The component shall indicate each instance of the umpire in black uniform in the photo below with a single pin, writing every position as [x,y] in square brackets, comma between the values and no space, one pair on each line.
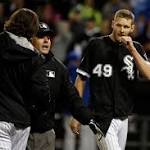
[62,91]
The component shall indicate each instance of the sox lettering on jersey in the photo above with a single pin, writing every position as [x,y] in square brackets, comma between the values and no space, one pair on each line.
[128,60]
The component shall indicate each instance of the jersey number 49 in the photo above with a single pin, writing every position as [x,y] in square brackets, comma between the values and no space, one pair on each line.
[103,70]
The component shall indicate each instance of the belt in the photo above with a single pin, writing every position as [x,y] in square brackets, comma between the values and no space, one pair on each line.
[122,117]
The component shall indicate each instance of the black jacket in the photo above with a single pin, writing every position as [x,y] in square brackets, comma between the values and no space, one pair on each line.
[15,71]
[62,92]
[18,63]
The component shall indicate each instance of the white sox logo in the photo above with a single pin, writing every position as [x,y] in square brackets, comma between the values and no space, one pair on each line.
[128,60]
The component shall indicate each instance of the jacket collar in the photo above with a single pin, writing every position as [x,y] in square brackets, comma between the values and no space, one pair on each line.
[21,41]
[49,56]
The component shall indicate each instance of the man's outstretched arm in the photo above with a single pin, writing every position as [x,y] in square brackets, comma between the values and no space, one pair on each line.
[75,124]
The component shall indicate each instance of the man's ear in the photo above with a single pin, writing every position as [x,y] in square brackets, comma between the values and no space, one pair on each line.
[112,24]
[132,28]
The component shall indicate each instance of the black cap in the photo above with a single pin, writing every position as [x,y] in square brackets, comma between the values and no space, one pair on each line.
[44,30]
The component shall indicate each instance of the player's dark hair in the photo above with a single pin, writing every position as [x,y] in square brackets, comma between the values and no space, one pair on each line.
[124,13]
[23,22]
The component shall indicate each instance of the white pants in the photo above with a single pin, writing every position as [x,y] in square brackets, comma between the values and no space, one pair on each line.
[87,139]
[116,135]
[12,138]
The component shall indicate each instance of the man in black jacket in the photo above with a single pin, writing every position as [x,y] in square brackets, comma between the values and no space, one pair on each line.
[16,59]
[62,91]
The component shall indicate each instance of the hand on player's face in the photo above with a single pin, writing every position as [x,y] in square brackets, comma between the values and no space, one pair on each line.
[127,41]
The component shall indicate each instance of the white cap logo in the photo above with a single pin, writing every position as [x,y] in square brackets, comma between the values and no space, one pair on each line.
[43,25]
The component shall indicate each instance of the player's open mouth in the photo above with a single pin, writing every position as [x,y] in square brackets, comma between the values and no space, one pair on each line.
[45,46]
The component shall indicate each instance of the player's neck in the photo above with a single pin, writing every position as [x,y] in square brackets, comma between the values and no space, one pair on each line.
[112,37]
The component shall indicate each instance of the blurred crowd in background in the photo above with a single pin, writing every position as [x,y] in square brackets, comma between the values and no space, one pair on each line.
[74,23]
